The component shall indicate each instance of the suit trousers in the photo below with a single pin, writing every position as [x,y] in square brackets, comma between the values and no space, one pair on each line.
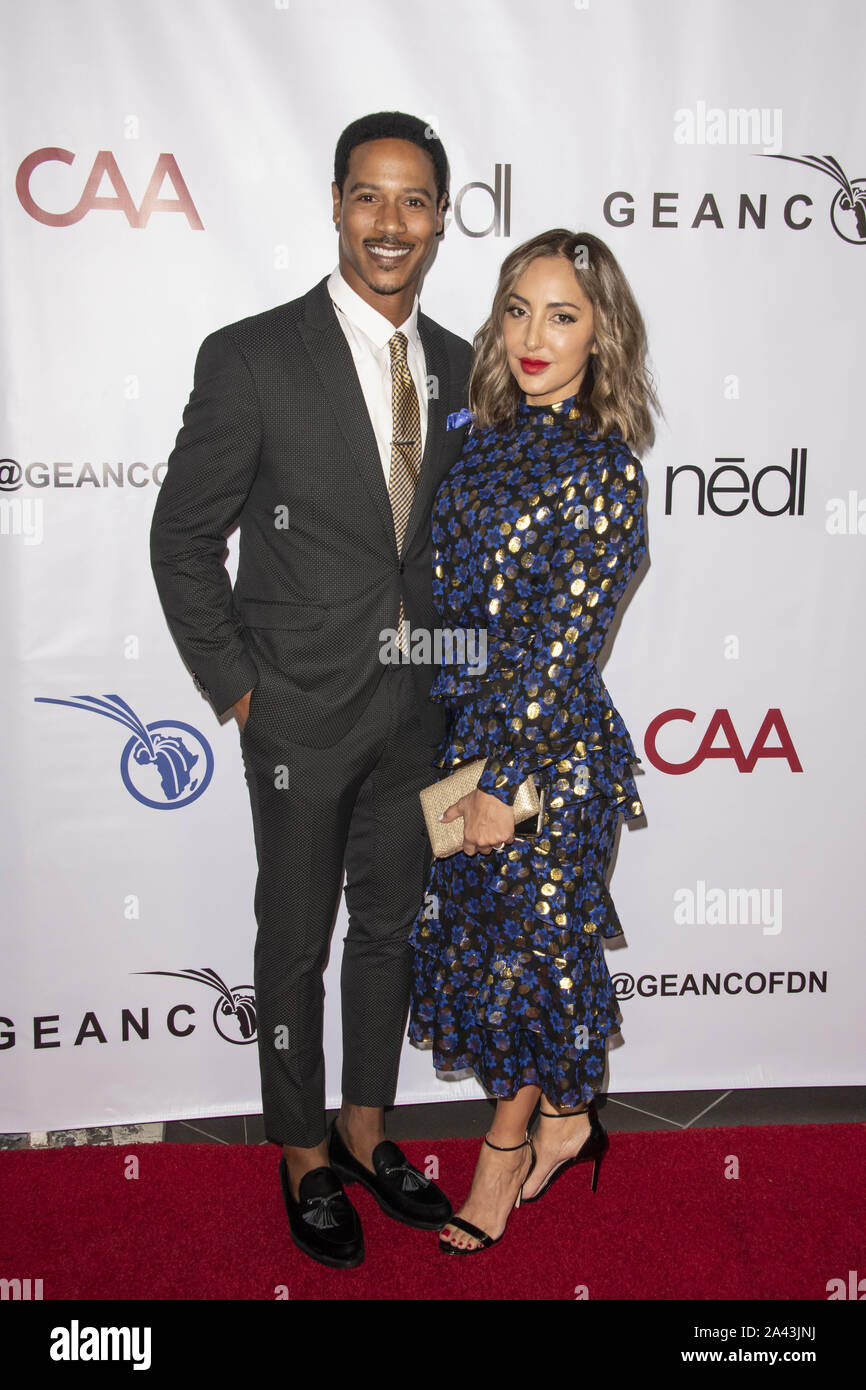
[316,812]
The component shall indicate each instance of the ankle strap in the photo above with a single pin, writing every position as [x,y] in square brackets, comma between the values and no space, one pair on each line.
[548,1115]
[506,1150]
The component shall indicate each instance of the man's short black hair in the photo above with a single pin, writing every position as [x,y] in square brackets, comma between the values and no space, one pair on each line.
[391,125]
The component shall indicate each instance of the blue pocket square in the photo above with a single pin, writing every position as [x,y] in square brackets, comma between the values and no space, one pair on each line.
[458,418]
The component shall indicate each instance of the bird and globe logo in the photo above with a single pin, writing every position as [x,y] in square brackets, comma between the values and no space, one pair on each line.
[234,1011]
[848,208]
[164,764]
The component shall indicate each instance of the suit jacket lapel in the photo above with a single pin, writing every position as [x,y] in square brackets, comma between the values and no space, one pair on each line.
[326,344]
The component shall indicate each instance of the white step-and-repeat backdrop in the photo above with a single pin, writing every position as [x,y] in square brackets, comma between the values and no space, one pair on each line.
[166,169]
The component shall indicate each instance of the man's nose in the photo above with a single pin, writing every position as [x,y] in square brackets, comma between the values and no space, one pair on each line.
[390,218]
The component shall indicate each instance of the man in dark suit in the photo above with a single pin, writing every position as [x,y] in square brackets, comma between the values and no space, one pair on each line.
[320,428]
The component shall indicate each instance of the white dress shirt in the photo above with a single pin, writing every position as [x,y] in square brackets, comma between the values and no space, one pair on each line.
[368,333]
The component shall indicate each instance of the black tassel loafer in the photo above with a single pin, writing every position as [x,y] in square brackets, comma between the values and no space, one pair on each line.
[322,1222]
[401,1191]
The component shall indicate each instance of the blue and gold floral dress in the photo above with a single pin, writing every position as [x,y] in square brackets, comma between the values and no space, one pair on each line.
[537,531]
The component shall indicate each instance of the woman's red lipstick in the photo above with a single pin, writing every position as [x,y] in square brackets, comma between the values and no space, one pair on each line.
[533,365]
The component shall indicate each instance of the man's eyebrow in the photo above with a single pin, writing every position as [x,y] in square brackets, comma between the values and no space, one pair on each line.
[377,187]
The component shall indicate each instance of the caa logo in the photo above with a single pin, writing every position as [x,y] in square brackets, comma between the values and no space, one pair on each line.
[164,765]
[721,722]
[105,166]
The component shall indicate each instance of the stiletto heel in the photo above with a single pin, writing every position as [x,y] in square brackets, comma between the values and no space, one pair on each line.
[485,1241]
[596,1169]
[593,1149]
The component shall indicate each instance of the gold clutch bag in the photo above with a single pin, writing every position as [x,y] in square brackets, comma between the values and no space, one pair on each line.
[446,837]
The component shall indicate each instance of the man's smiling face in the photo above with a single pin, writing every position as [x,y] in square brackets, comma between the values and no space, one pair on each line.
[387,217]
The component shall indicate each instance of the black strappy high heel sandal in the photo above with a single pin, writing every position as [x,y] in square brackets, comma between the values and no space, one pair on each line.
[484,1240]
[594,1148]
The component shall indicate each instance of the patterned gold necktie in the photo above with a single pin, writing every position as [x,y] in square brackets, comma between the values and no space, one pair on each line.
[405,450]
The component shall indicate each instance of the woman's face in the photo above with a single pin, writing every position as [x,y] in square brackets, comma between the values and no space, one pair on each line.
[548,330]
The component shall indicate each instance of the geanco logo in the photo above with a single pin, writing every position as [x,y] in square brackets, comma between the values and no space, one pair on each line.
[747,211]
[234,1013]
[65,474]
[164,764]
[674,984]
[721,723]
[848,208]
[234,1018]
[105,166]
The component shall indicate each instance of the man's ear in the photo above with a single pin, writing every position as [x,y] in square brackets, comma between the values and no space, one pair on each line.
[444,204]
[337,204]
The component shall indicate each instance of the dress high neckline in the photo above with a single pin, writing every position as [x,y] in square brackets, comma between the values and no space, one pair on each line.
[556,408]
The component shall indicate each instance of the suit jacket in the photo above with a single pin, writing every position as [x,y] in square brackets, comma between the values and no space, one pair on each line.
[277,437]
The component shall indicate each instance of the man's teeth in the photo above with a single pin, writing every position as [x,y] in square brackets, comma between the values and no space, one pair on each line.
[393,253]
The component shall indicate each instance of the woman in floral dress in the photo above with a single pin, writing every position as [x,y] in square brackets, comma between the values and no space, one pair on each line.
[537,532]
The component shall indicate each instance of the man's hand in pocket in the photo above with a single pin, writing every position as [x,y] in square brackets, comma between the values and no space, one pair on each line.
[241,708]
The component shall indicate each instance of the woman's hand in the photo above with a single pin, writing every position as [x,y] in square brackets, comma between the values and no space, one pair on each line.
[487,822]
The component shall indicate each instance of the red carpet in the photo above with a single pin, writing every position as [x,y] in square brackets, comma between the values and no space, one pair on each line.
[206,1221]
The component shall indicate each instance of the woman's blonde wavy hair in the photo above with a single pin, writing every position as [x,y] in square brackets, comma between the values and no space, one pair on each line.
[617,388]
